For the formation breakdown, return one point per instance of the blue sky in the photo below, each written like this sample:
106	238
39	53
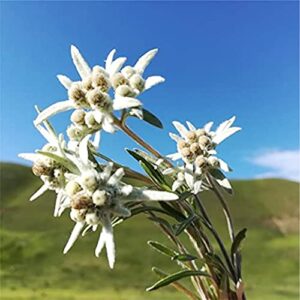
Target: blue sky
219	59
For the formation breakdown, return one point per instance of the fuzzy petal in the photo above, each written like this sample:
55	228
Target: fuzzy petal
150	195
110	244
126	190
100	244
174	156
180	128
107	171
81	65
116	66
226	124
98	115
97	139
152	81
125	102
197	186
218	138
65	81
191	126
59	200
224	166
116	177
83	149
108	126
109	59
74	235
53	110
39	192
176	185
30	156
207	127
174	137
137	112
188	175
144	61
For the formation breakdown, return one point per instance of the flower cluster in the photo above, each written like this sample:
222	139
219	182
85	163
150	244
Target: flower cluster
197	148
102	91
94	194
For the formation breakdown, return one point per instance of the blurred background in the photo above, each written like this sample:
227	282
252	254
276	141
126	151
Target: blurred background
219	59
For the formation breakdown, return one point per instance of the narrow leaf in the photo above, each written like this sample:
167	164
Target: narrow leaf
174	277
184	257
151	119
237	241
183	225
162	248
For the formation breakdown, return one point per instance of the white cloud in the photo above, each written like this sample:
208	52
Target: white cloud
281	164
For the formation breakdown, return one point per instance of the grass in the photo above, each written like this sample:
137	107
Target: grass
33	266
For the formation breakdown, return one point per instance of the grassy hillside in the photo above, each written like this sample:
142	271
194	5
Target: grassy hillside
33	266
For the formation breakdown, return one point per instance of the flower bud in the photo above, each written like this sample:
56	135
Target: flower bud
77	95
125	91
180	176
99	100
128	71
72	188
87	83
77	215
78	116
49	148
89	181
74	133
191	136
81	202
204	141
137	82
100	80
39	169
201	161
213	161
118	79
99	197
90	120
185	152
195	148
182	144
200	132
92	218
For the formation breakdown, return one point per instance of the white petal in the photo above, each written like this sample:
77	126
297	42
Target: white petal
174	137
207	127
110	245
116	66
108	126
97	139
30	156
144	61
116	177
65	81
225	134
125	102
191	126
39	192
109	59
53	110
225	183
188	175
137	112
149	195
176	184
107	171
180	128
100	244
224	125
83	149
197	186
224	166
49	137
174	156
126	190
98	115
152	81
74	235
87	228
59	199
81	65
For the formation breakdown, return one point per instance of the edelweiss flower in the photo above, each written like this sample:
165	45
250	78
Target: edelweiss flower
95	197
92	93
197	148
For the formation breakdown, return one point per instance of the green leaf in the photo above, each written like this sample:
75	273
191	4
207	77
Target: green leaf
161	221
61	160
175	277
183	225
236	245
172	211
162	248
184	257
151	119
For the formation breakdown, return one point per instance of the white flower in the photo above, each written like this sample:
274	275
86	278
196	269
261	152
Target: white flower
92	92
197	148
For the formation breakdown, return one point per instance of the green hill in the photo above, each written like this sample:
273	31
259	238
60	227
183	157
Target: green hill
33	266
